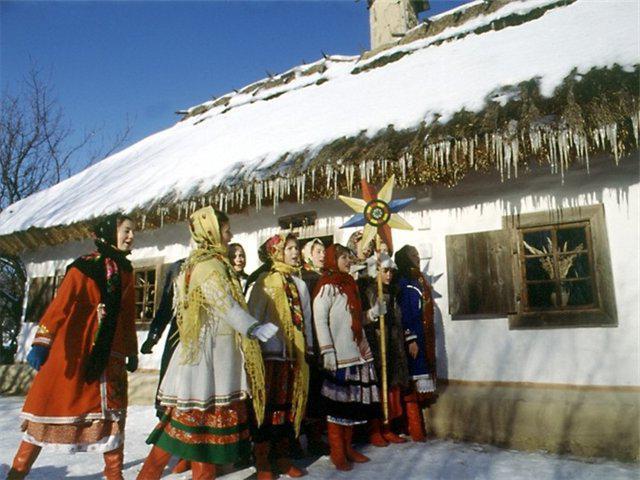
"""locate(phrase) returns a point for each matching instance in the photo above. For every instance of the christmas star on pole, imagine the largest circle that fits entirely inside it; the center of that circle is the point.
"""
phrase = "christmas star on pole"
(377, 213)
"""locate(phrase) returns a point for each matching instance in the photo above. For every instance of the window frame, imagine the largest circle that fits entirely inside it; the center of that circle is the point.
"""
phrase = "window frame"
(604, 312)
(155, 264)
(557, 281)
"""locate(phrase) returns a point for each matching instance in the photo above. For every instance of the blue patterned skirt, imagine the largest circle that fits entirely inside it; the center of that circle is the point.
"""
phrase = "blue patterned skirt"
(351, 394)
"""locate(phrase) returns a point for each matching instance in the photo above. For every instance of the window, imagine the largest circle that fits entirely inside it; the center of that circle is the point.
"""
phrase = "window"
(145, 291)
(556, 263)
(546, 269)
(563, 271)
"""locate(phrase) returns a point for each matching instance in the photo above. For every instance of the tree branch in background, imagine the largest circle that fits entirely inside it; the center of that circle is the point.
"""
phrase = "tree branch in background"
(38, 149)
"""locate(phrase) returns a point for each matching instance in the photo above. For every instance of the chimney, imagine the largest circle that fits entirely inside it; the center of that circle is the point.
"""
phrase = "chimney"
(390, 19)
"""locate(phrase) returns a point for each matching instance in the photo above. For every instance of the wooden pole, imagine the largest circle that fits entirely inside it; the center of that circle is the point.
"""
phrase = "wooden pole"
(383, 343)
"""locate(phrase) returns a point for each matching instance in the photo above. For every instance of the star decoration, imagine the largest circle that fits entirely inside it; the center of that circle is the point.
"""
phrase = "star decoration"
(378, 213)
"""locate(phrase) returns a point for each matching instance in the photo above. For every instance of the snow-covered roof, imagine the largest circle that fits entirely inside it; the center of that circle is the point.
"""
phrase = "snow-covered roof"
(265, 139)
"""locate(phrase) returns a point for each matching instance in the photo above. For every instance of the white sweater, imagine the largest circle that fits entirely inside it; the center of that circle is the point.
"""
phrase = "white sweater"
(332, 320)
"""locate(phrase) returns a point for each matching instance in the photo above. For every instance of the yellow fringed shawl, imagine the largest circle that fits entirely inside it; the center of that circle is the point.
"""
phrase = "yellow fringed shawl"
(208, 263)
(275, 282)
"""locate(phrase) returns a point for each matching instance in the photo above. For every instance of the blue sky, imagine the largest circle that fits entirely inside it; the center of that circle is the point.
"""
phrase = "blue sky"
(143, 60)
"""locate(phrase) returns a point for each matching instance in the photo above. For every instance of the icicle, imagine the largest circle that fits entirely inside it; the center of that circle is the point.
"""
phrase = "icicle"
(496, 151)
(313, 179)
(162, 211)
(275, 193)
(635, 121)
(349, 173)
(602, 131)
(612, 136)
(515, 150)
(363, 169)
(335, 184)
(552, 153)
(563, 151)
(258, 193)
(535, 139)
(507, 158)
(581, 142)
(403, 167)
(472, 153)
(304, 185)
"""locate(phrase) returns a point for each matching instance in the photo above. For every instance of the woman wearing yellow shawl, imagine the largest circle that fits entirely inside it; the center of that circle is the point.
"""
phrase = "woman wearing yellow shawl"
(281, 297)
(217, 365)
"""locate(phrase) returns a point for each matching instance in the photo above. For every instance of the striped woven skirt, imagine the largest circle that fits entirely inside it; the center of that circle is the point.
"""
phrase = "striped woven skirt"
(351, 394)
(219, 434)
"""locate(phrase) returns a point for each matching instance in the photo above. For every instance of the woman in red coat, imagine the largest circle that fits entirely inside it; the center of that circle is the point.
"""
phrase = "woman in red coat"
(85, 340)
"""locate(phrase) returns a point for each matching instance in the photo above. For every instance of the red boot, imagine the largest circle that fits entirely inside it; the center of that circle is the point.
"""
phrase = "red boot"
(24, 458)
(352, 454)
(182, 466)
(338, 453)
(375, 433)
(415, 422)
(154, 464)
(284, 462)
(263, 465)
(390, 436)
(113, 461)
(203, 471)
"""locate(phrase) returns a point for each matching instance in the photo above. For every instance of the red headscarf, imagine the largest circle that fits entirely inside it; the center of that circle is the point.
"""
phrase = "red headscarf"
(345, 284)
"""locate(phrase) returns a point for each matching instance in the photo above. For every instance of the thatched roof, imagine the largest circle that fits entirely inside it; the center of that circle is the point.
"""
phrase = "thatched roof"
(496, 85)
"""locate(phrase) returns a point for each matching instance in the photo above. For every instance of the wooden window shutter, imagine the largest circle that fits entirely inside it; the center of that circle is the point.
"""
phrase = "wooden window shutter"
(40, 295)
(480, 273)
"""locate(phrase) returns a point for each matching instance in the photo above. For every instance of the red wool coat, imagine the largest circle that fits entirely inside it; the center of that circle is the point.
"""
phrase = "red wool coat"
(59, 394)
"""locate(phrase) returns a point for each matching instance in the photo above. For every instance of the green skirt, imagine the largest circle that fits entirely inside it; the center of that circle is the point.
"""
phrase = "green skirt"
(219, 434)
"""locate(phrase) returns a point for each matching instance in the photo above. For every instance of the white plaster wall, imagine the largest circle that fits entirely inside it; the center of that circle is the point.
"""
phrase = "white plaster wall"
(479, 349)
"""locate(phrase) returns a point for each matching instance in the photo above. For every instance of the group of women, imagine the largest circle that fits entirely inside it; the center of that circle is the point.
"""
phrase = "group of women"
(238, 376)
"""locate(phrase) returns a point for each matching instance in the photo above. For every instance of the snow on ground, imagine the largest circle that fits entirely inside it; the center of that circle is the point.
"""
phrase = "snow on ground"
(202, 151)
(436, 459)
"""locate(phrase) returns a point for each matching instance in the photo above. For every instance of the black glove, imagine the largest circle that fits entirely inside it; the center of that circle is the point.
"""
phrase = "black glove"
(147, 346)
(132, 363)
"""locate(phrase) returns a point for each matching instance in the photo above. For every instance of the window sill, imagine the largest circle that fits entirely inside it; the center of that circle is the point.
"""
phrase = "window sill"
(561, 319)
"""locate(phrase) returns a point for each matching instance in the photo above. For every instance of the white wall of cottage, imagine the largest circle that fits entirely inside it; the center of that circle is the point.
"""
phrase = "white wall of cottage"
(480, 349)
